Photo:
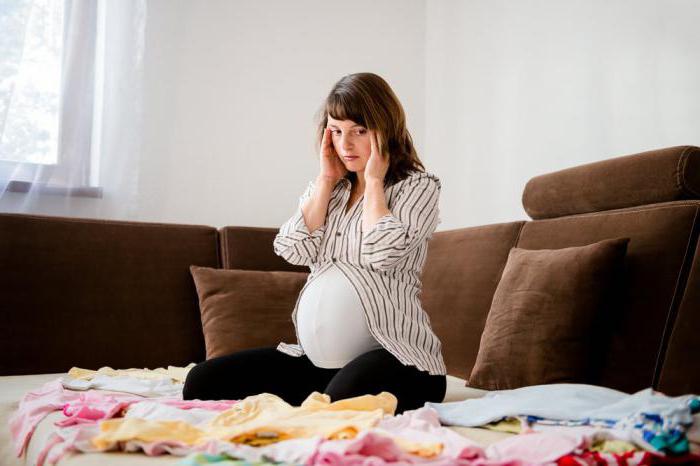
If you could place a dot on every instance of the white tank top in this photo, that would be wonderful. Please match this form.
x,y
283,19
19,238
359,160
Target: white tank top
x,y
331,322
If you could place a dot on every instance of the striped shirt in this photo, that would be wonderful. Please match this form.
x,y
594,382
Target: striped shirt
x,y
383,264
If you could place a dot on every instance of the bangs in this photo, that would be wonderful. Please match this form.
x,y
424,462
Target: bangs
x,y
343,107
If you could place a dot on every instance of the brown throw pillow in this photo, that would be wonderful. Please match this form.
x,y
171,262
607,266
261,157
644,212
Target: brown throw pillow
x,y
543,314
244,309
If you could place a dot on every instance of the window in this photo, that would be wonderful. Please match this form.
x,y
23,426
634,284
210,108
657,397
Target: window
x,y
47,70
30,78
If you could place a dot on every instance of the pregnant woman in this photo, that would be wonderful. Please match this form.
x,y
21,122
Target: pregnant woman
x,y
362,226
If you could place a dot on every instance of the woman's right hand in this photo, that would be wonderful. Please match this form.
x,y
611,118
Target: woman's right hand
x,y
332,168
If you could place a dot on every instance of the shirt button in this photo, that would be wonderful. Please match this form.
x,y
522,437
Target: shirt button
x,y
332,259
337,234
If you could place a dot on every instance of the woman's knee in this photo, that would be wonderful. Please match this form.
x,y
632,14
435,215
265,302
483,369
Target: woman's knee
x,y
368,373
195,383
254,371
378,371
221,377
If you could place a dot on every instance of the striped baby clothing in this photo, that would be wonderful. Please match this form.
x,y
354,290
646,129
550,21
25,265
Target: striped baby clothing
x,y
383,265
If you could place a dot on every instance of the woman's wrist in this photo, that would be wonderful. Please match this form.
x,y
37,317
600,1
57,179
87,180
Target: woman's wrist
x,y
374,185
324,180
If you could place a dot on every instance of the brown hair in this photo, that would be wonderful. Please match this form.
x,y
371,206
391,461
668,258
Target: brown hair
x,y
368,100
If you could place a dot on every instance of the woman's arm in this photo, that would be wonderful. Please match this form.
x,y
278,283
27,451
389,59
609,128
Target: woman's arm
x,y
315,208
374,206
299,238
412,219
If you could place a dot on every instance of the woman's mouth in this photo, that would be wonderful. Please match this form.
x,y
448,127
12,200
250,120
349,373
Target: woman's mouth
x,y
350,157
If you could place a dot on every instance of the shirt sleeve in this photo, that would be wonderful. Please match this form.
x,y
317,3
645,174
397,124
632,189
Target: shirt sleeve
x,y
294,243
413,219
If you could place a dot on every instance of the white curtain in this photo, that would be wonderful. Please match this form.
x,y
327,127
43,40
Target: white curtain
x,y
71,78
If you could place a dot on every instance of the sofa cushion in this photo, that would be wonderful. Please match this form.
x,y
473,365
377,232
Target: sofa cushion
x,y
541,324
243,309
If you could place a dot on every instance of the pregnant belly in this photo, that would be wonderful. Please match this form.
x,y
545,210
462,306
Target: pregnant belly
x,y
331,321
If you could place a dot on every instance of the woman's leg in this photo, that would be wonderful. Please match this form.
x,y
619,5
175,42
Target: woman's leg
x,y
379,370
254,371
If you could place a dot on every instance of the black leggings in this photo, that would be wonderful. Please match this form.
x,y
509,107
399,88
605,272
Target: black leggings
x,y
267,370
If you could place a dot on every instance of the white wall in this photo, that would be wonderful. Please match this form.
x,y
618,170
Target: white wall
x,y
495,92
232,89
520,88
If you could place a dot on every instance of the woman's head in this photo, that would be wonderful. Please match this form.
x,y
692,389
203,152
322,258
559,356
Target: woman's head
x,y
360,102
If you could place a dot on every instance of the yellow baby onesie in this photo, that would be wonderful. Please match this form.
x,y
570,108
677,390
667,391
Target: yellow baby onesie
x,y
260,419
177,374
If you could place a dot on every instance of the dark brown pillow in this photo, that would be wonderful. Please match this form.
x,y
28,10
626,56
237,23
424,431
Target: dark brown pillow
x,y
244,309
543,314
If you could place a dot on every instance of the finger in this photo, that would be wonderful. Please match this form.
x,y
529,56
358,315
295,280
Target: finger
x,y
380,144
329,147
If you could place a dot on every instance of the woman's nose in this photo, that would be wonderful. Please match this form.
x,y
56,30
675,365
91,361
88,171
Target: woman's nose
x,y
345,143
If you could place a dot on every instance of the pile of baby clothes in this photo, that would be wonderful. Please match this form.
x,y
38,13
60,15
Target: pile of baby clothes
x,y
142,410
646,427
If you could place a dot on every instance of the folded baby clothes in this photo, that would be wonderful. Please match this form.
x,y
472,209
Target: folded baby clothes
x,y
175,373
153,409
158,382
259,419
156,387
648,418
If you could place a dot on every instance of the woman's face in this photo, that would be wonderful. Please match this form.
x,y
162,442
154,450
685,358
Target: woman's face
x,y
350,139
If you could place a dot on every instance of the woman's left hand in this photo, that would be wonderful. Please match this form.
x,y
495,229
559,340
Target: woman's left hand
x,y
378,163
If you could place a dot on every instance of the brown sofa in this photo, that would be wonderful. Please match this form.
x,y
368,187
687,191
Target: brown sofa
x,y
93,293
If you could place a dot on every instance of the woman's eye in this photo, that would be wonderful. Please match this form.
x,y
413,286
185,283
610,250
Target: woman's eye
x,y
361,131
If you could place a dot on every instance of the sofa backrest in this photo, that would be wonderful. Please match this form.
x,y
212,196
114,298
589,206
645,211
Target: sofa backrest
x,y
652,198
460,275
650,328
660,235
90,293
93,293
250,248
